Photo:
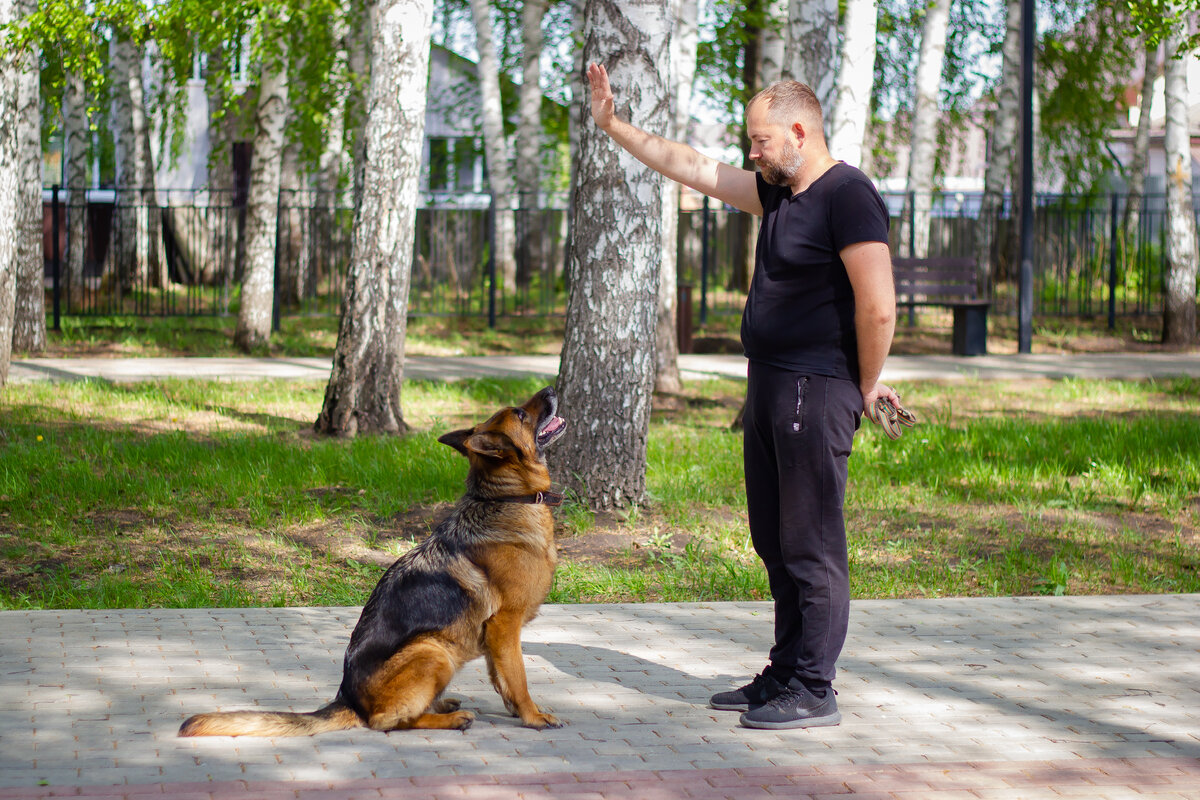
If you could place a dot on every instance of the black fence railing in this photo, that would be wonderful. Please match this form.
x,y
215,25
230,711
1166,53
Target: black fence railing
x,y
129,255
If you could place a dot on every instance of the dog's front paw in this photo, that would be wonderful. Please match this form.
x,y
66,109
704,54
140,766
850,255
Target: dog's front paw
x,y
541,721
444,705
460,720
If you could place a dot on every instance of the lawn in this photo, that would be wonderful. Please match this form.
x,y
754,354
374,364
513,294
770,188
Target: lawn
x,y
192,493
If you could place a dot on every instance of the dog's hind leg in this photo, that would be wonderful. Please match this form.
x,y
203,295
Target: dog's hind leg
x,y
406,692
506,666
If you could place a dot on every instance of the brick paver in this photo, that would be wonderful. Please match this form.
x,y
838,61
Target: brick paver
x,y
1092,697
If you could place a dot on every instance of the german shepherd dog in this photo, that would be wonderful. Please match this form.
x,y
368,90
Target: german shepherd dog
x,y
464,591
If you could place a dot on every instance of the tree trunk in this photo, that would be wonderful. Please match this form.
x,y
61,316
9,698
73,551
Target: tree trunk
x,y
74,109
684,41
217,266
294,268
607,376
926,113
262,207
132,247
1179,304
147,222
774,41
363,394
744,227
1141,149
1005,140
530,142
10,194
495,144
852,86
358,45
812,48
29,309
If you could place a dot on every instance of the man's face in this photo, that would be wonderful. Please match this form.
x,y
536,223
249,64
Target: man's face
x,y
772,147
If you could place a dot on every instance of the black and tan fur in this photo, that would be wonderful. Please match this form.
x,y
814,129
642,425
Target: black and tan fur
x,y
465,591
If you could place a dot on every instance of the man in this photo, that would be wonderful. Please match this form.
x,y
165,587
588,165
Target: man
x,y
816,329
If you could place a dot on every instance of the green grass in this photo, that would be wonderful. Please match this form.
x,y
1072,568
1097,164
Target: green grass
x,y
192,493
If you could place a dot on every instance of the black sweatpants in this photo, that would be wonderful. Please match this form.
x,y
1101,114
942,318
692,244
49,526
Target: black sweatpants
x,y
798,431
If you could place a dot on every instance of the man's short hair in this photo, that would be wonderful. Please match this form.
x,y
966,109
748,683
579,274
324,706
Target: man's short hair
x,y
788,102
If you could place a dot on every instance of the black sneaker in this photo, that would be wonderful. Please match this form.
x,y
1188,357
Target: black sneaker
x,y
752,695
795,708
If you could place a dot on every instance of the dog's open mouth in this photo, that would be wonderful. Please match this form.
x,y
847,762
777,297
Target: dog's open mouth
x,y
550,430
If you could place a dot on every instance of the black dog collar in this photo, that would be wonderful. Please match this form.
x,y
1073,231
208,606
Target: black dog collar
x,y
537,498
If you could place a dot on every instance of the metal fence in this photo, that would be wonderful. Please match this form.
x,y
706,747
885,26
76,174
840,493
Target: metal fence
x,y
129,255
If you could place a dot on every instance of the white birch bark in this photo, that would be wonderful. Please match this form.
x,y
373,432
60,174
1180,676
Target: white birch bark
x,y
495,144
75,121
608,358
262,206
217,264
29,309
853,82
774,44
1006,136
684,43
130,250
530,140
1141,150
812,48
10,196
363,394
1179,304
926,113
358,45
147,222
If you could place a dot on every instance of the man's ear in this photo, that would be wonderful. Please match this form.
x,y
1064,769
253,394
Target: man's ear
x,y
457,439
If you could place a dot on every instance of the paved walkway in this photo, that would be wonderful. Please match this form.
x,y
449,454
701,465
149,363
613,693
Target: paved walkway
x,y
1090,697
1128,366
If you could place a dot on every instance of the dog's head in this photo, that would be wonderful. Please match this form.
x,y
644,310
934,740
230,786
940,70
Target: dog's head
x,y
507,452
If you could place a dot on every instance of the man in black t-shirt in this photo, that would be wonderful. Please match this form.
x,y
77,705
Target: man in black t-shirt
x,y
816,329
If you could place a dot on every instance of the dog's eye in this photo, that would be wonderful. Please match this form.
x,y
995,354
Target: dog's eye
x,y
520,412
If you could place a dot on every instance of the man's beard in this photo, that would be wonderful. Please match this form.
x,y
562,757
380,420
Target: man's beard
x,y
781,174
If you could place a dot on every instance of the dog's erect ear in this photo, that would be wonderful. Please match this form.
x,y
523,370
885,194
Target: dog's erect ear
x,y
491,445
457,439
488,444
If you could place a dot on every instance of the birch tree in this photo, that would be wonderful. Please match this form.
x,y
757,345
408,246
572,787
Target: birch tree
x,y
1004,142
852,83
812,48
75,127
131,248
262,205
495,144
774,41
29,309
914,230
10,61
363,394
683,71
607,376
1141,148
1179,304
530,139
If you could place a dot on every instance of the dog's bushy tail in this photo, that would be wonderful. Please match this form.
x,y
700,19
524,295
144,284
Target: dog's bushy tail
x,y
336,716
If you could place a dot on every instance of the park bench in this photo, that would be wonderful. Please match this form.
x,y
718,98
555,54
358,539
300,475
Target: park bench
x,y
948,283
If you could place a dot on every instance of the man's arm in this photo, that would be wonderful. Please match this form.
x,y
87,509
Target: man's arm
x,y
869,265
675,160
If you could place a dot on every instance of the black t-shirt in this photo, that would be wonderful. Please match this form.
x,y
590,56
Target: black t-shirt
x,y
799,314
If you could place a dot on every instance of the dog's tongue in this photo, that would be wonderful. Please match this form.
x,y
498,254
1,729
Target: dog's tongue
x,y
554,424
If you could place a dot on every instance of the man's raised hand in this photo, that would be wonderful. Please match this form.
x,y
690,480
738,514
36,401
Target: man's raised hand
x,y
603,105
